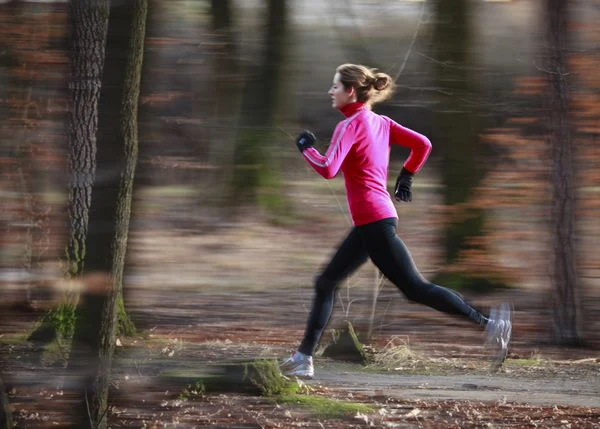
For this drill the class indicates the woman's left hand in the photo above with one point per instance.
(403, 188)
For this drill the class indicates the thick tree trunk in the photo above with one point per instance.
(110, 211)
(458, 122)
(5, 412)
(566, 301)
(90, 22)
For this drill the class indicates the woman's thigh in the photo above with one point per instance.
(349, 256)
(389, 253)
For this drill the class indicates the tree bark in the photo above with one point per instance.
(129, 136)
(566, 294)
(110, 212)
(90, 22)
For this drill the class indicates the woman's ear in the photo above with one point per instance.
(352, 92)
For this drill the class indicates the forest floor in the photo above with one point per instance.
(434, 376)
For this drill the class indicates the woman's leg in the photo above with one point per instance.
(391, 256)
(350, 255)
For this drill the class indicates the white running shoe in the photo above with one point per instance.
(498, 334)
(298, 365)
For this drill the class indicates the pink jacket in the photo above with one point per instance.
(360, 147)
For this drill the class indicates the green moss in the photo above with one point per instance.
(58, 322)
(193, 391)
(125, 326)
(265, 375)
(325, 407)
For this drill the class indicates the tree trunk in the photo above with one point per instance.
(458, 122)
(90, 26)
(566, 301)
(5, 413)
(95, 335)
(90, 22)
(255, 177)
(227, 87)
(221, 14)
(129, 137)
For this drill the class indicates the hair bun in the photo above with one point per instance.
(382, 81)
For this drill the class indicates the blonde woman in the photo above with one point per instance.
(360, 149)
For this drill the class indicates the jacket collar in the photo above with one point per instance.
(351, 108)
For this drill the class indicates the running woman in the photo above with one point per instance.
(360, 148)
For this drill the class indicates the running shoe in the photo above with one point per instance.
(498, 334)
(298, 365)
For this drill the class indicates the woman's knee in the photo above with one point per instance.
(416, 290)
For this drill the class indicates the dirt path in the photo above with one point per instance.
(550, 391)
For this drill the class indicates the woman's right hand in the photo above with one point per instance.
(305, 140)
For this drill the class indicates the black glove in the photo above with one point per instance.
(402, 191)
(305, 140)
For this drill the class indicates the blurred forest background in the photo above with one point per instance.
(200, 182)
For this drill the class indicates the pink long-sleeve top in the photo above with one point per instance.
(360, 148)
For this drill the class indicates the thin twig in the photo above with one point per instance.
(542, 69)
(450, 64)
(412, 42)
(87, 405)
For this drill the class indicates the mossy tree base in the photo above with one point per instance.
(59, 324)
(347, 346)
(261, 377)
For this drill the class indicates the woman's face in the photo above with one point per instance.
(340, 96)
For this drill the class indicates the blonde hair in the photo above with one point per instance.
(371, 86)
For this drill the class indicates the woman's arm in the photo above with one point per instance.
(419, 145)
(329, 164)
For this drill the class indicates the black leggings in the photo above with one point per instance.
(378, 240)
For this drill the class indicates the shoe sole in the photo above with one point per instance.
(299, 374)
